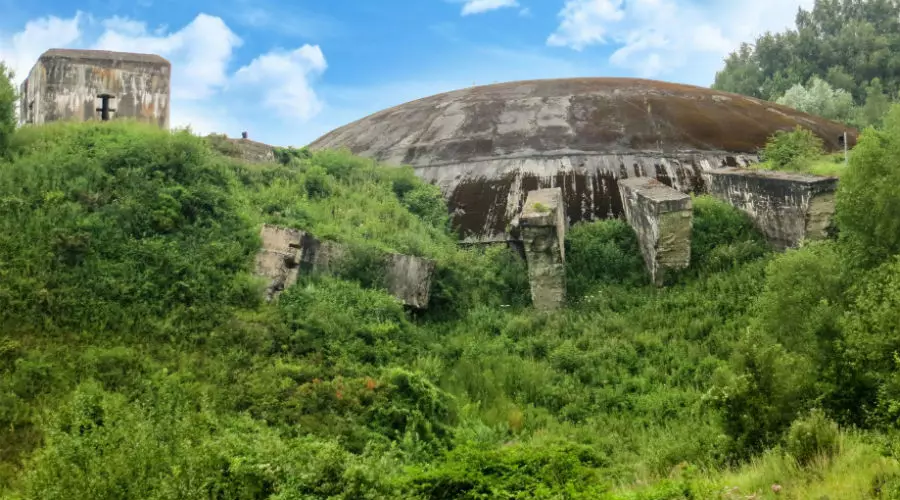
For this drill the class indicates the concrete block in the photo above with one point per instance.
(279, 258)
(287, 252)
(786, 207)
(543, 229)
(409, 279)
(662, 218)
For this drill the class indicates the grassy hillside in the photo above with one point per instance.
(138, 361)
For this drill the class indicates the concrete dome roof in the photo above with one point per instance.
(486, 146)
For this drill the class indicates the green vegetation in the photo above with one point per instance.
(837, 49)
(8, 96)
(800, 151)
(137, 359)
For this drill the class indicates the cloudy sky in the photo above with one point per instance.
(288, 71)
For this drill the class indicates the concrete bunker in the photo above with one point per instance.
(662, 218)
(543, 229)
(487, 147)
(786, 207)
(87, 85)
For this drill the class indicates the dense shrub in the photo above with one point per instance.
(811, 437)
(517, 471)
(792, 150)
(722, 237)
(762, 394)
(106, 226)
(289, 155)
(602, 252)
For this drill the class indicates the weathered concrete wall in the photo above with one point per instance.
(488, 146)
(279, 258)
(662, 218)
(409, 279)
(286, 253)
(485, 196)
(543, 228)
(786, 207)
(66, 85)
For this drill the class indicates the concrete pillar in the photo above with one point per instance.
(786, 207)
(662, 218)
(543, 229)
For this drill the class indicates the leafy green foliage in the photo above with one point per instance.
(722, 237)
(287, 156)
(792, 150)
(8, 97)
(811, 437)
(819, 98)
(868, 200)
(603, 252)
(105, 225)
(849, 45)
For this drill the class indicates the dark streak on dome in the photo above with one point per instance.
(487, 146)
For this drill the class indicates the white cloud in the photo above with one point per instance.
(584, 22)
(480, 6)
(207, 94)
(21, 50)
(285, 80)
(199, 52)
(657, 37)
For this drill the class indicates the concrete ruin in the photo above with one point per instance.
(86, 85)
(486, 147)
(543, 229)
(662, 217)
(787, 208)
(286, 253)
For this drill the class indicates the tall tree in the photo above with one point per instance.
(847, 43)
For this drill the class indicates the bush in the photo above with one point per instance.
(803, 298)
(106, 226)
(493, 276)
(722, 237)
(792, 150)
(517, 471)
(602, 252)
(759, 397)
(812, 436)
(7, 109)
(290, 155)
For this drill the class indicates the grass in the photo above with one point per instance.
(831, 165)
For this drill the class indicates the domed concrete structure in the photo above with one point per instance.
(486, 147)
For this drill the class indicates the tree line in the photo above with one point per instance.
(841, 61)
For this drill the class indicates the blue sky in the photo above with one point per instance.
(290, 71)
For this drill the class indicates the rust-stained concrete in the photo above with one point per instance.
(662, 218)
(788, 208)
(65, 85)
(543, 226)
(487, 147)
